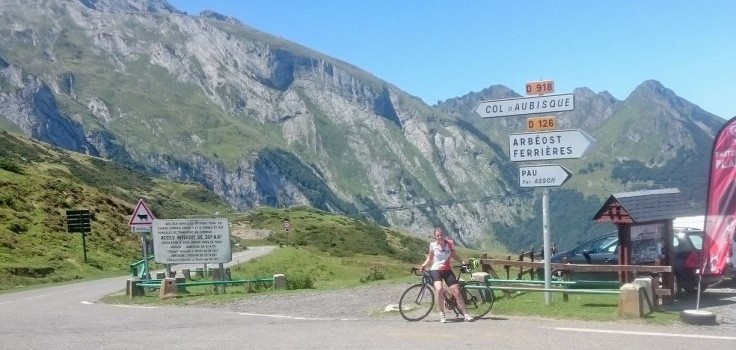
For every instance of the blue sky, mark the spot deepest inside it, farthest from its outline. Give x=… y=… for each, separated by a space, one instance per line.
x=442 y=49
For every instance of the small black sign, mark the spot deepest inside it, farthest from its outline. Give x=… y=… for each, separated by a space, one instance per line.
x=78 y=221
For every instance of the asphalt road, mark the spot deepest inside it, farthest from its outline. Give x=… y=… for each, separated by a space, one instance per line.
x=70 y=317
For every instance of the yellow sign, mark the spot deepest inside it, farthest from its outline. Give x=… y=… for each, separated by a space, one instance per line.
x=540 y=123
x=540 y=87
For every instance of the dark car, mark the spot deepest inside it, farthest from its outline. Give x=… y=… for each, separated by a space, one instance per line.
x=687 y=245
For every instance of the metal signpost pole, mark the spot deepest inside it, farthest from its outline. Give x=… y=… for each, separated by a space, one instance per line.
x=542 y=143
x=144 y=249
x=84 y=245
x=547 y=247
x=141 y=222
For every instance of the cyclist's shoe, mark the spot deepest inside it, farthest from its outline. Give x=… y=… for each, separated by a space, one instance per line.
x=468 y=318
x=443 y=319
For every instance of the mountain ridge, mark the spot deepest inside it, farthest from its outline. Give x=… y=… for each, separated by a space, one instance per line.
x=260 y=120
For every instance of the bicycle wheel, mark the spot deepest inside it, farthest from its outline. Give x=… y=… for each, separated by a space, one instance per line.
x=478 y=298
x=416 y=302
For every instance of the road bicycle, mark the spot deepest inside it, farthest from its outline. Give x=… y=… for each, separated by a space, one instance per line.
x=418 y=300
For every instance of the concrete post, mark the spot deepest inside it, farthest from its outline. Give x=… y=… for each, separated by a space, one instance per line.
x=132 y=289
x=167 y=289
x=630 y=300
x=279 y=281
x=649 y=303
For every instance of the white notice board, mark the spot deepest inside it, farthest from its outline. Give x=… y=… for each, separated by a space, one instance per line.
x=191 y=241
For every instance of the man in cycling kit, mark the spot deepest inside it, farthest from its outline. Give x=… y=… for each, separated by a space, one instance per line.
x=441 y=254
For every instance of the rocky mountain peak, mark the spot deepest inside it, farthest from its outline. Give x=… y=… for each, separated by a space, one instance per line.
x=220 y=17
x=152 y=6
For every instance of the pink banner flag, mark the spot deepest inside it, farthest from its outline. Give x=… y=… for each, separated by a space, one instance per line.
x=721 y=201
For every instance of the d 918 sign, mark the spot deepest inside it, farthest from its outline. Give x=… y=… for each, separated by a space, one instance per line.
x=540 y=87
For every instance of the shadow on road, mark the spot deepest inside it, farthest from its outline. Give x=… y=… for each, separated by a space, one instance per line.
x=721 y=295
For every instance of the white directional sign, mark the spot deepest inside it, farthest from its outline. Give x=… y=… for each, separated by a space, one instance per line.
x=543 y=175
x=526 y=105
x=563 y=144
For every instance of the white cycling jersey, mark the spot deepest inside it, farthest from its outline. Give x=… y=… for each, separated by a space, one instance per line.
x=442 y=256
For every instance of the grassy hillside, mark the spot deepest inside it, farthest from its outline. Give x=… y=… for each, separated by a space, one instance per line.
x=39 y=183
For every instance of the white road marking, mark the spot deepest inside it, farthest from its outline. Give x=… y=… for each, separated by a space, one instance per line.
x=37 y=296
x=655 y=334
x=135 y=306
x=5 y=302
x=297 y=317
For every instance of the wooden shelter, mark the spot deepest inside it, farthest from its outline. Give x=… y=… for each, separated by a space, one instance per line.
x=644 y=222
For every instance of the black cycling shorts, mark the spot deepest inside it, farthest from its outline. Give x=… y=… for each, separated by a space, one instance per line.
x=446 y=275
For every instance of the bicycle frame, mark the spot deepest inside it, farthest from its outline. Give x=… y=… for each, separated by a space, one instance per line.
x=418 y=300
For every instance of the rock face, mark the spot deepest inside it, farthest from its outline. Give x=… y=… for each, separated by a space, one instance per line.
x=262 y=121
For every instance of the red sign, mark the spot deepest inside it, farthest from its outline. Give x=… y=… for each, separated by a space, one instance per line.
x=142 y=216
x=721 y=202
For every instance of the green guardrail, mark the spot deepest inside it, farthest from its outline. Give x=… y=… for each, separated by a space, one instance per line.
x=156 y=283
x=577 y=286
x=139 y=268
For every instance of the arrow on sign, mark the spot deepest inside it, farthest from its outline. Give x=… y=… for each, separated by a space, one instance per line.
x=563 y=144
x=543 y=175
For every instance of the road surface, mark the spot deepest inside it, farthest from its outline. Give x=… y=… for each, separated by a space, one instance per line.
x=70 y=317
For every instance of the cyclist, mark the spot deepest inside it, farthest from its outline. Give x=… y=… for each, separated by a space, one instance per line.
x=441 y=252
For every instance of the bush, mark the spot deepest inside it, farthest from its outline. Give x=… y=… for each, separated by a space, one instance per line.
x=373 y=274
x=299 y=281
x=17 y=227
x=9 y=165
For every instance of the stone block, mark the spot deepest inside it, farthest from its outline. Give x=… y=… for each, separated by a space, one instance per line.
x=279 y=281
x=479 y=276
x=132 y=289
x=630 y=303
x=167 y=289
x=649 y=303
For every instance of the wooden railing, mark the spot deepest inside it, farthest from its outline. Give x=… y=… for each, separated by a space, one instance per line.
x=659 y=273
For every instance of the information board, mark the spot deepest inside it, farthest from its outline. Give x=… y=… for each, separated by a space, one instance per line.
x=647 y=243
x=203 y=241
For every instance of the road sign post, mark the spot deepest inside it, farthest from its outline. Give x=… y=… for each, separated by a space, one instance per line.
x=543 y=176
x=546 y=145
x=79 y=221
x=141 y=222
x=549 y=145
x=526 y=105
x=540 y=87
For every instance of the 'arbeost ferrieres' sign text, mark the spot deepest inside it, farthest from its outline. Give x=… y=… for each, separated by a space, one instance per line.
x=563 y=144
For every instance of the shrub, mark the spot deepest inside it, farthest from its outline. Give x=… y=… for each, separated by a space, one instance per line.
x=9 y=165
x=299 y=281
x=17 y=227
x=373 y=274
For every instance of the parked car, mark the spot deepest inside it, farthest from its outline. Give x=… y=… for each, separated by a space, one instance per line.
x=687 y=244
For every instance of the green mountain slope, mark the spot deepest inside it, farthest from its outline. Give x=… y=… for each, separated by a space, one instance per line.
x=39 y=183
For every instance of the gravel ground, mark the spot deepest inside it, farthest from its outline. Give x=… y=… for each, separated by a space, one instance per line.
x=358 y=302
x=371 y=301
x=720 y=300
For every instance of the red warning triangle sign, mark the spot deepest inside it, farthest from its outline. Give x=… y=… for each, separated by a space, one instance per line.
x=142 y=216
